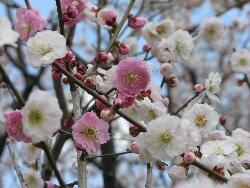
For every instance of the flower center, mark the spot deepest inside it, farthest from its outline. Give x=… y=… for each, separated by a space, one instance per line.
x=161 y=29
x=239 y=150
x=219 y=150
x=151 y=115
x=90 y=133
x=179 y=47
x=211 y=31
x=200 y=121
x=35 y=116
x=26 y=27
x=243 y=62
x=165 y=138
x=46 y=49
x=131 y=78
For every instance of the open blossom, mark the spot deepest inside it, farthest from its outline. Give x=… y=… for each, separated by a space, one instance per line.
x=7 y=35
x=217 y=152
x=29 y=21
x=176 y=48
x=150 y=111
x=212 y=31
x=41 y=116
x=166 y=140
x=33 y=179
x=15 y=126
x=89 y=132
x=131 y=76
x=241 y=139
x=150 y=34
x=203 y=182
x=165 y=28
x=212 y=85
x=45 y=47
x=240 y=61
x=73 y=11
x=203 y=118
x=239 y=180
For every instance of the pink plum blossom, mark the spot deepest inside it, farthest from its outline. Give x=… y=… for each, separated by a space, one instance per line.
x=106 y=17
x=29 y=21
x=15 y=126
x=73 y=11
x=131 y=77
x=89 y=132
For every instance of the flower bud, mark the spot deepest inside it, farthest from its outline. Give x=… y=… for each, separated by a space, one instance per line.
x=78 y=75
x=68 y=122
x=72 y=12
x=69 y=56
x=99 y=105
x=65 y=81
x=223 y=120
x=49 y=184
x=166 y=70
x=134 y=131
x=146 y=48
x=56 y=74
x=89 y=82
x=135 y=148
x=198 y=88
x=101 y=56
x=172 y=81
x=107 y=114
x=160 y=165
x=123 y=49
x=82 y=69
x=189 y=158
x=111 y=17
x=165 y=101
x=136 y=22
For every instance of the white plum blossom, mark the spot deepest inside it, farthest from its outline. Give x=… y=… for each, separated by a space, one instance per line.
x=166 y=137
x=165 y=28
x=178 y=172
x=212 y=85
x=150 y=34
x=176 y=48
x=239 y=180
x=240 y=61
x=218 y=152
x=45 y=47
x=203 y=182
x=33 y=179
x=149 y=111
x=241 y=139
x=7 y=35
x=212 y=31
x=203 y=118
x=41 y=116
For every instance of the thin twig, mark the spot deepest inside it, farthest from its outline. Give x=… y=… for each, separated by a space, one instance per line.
x=149 y=178
x=53 y=164
x=110 y=155
x=27 y=4
x=60 y=16
x=15 y=164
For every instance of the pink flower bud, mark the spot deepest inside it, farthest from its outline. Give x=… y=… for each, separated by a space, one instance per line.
x=134 y=131
x=51 y=185
x=69 y=56
x=65 y=81
x=82 y=69
x=166 y=70
x=136 y=22
x=124 y=49
x=223 y=120
x=172 y=81
x=146 y=48
x=198 y=88
x=101 y=56
x=118 y=103
x=165 y=101
x=78 y=75
x=72 y=12
x=160 y=165
x=89 y=82
x=107 y=114
x=111 y=17
x=135 y=148
x=99 y=105
x=189 y=158
x=68 y=122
